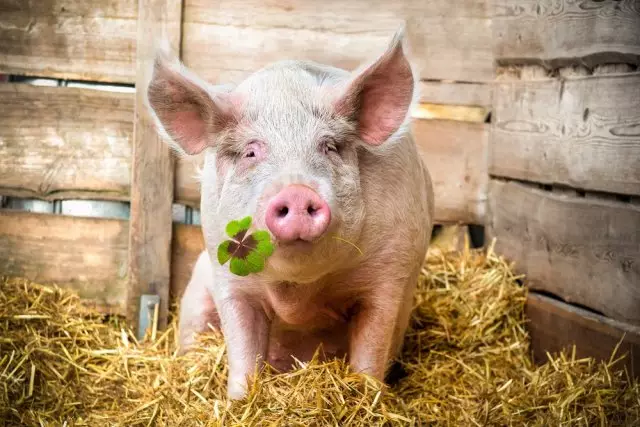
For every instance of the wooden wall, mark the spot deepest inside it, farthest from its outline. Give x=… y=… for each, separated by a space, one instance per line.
x=564 y=160
x=69 y=143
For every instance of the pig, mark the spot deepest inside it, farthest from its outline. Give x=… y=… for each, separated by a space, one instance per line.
x=324 y=160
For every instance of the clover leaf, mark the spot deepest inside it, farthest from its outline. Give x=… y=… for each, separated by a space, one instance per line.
x=247 y=252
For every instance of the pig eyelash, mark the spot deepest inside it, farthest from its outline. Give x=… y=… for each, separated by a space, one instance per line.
x=250 y=149
x=253 y=151
x=329 y=145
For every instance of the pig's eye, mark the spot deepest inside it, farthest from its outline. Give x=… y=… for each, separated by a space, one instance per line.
x=330 y=145
x=252 y=150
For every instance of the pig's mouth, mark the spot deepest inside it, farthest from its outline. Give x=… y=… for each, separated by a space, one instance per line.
x=295 y=244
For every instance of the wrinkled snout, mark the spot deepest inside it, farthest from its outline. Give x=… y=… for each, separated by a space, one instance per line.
x=297 y=213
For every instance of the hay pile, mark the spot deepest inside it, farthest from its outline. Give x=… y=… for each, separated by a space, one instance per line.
x=466 y=360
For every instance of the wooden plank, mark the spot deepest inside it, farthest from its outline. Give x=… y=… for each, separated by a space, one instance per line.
x=582 y=132
x=227 y=42
x=85 y=40
x=566 y=32
x=461 y=113
x=456 y=93
x=88 y=255
x=455 y=153
x=152 y=177
x=188 y=243
x=584 y=250
x=61 y=143
x=187 y=183
x=554 y=326
x=58 y=142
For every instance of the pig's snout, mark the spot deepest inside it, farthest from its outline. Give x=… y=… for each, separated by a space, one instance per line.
x=297 y=213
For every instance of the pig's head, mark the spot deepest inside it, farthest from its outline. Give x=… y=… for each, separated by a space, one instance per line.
x=284 y=147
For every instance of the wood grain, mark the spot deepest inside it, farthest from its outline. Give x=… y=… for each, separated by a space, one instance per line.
x=188 y=244
x=455 y=153
x=583 y=250
x=58 y=142
x=88 y=255
x=565 y=32
x=70 y=143
x=581 y=132
x=554 y=326
x=456 y=93
x=226 y=42
x=85 y=40
x=96 y=39
x=152 y=177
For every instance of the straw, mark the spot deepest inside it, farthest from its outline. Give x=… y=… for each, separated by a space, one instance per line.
x=466 y=358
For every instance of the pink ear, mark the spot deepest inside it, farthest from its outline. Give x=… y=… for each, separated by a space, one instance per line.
x=185 y=109
x=379 y=96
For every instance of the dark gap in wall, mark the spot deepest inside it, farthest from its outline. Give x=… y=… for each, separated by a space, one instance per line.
x=562 y=300
x=182 y=214
x=437 y=229
x=578 y=192
x=458 y=82
x=476 y=236
x=623 y=198
x=14 y=78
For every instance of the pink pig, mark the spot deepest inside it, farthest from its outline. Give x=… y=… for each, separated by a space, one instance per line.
x=317 y=156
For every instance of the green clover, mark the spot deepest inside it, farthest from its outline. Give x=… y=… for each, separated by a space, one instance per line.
x=246 y=252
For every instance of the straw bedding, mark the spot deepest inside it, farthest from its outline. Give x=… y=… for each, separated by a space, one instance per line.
x=466 y=360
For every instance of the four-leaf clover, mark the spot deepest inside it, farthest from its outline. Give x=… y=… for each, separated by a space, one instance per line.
x=247 y=252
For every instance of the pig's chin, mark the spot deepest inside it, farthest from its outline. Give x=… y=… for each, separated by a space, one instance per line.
x=297 y=261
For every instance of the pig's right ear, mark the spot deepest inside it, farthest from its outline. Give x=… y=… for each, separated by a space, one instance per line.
x=185 y=110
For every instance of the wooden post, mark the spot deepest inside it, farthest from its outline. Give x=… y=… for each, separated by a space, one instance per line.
x=152 y=175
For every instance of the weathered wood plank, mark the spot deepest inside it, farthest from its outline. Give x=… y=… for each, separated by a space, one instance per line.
x=582 y=132
x=462 y=113
x=152 y=177
x=456 y=93
x=554 y=326
x=58 y=142
x=226 y=42
x=61 y=143
x=86 y=40
x=188 y=243
x=584 y=250
x=88 y=255
x=455 y=153
x=565 y=32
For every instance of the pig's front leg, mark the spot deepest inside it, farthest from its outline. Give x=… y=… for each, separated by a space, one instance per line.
x=246 y=332
x=377 y=329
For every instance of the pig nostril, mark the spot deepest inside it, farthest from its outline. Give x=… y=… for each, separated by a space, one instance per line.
x=311 y=210
x=282 y=212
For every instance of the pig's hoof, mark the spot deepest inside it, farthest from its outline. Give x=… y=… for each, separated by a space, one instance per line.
x=236 y=390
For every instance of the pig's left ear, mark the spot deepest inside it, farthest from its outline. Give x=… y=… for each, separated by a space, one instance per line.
x=379 y=96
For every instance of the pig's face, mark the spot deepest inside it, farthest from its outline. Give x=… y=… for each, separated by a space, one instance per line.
x=292 y=164
x=283 y=148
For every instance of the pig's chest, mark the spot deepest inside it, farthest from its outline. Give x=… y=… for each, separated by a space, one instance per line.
x=305 y=308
